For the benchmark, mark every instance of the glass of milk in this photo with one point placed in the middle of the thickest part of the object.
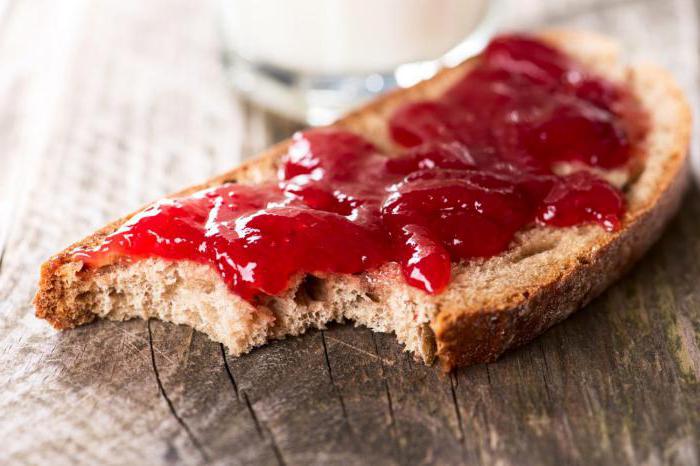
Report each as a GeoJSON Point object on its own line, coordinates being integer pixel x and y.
{"type": "Point", "coordinates": [312, 60]}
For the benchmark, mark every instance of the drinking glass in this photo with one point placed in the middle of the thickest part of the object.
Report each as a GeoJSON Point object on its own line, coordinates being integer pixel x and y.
{"type": "Point", "coordinates": [312, 60]}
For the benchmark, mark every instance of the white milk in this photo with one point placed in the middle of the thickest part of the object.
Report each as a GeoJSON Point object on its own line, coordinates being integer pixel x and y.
{"type": "Point", "coordinates": [332, 37]}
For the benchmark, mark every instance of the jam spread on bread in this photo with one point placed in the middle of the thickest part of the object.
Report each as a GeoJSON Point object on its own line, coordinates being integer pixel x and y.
{"type": "Point", "coordinates": [470, 169]}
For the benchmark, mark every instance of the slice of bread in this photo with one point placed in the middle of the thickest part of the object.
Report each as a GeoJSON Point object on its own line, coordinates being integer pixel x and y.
{"type": "Point", "coordinates": [490, 306]}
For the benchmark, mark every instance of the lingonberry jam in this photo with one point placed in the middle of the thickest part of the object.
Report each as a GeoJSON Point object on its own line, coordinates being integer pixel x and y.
{"type": "Point", "coordinates": [476, 168]}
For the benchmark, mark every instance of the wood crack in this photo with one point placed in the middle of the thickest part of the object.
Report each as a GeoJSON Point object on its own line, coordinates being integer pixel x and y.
{"type": "Point", "coordinates": [453, 383]}
{"type": "Point", "coordinates": [231, 378]}
{"type": "Point", "coordinates": [336, 389]}
{"type": "Point", "coordinates": [361, 351]}
{"type": "Point", "coordinates": [546, 370]}
{"type": "Point", "coordinates": [195, 441]}
{"type": "Point", "coordinates": [390, 404]}
{"type": "Point", "coordinates": [254, 416]}
{"type": "Point", "coordinates": [263, 431]}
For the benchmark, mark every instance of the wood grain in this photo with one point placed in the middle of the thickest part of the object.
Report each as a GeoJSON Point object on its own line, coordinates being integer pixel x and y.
{"type": "Point", "coordinates": [107, 104]}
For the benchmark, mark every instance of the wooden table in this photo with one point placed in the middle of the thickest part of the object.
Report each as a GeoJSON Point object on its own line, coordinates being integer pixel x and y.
{"type": "Point", "coordinates": [105, 105]}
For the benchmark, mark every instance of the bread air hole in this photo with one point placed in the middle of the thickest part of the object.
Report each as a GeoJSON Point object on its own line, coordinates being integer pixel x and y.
{"type": "Point", "coordinates": [533, 248]}
{"type": "Point", "coordinates": [309, 290]}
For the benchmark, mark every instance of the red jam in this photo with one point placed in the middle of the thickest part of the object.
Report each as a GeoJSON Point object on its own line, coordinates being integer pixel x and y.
{"type": "Point", "coordinates": [477, 168]}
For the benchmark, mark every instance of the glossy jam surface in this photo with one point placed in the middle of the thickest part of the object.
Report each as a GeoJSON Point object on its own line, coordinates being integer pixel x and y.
{"type": "Point", "coordinates": [477, 167]}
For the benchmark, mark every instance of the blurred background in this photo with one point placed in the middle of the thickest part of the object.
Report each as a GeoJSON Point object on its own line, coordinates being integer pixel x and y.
{"type": "Point", "coordinates": [107, 104]}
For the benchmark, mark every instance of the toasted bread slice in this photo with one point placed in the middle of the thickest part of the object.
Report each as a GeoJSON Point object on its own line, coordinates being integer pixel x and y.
{"type": "Point", "coordinates": [490, 306]}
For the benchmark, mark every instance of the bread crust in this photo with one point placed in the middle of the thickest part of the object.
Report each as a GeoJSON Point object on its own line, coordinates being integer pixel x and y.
{"type": "Point", "coordinates": [470, 336]}
{"type": "Point", "coordinates": [464, 335]}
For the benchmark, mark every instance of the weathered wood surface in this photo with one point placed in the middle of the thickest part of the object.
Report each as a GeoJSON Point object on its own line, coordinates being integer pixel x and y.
{"type": "Point", "coordinates": [107, 104]}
